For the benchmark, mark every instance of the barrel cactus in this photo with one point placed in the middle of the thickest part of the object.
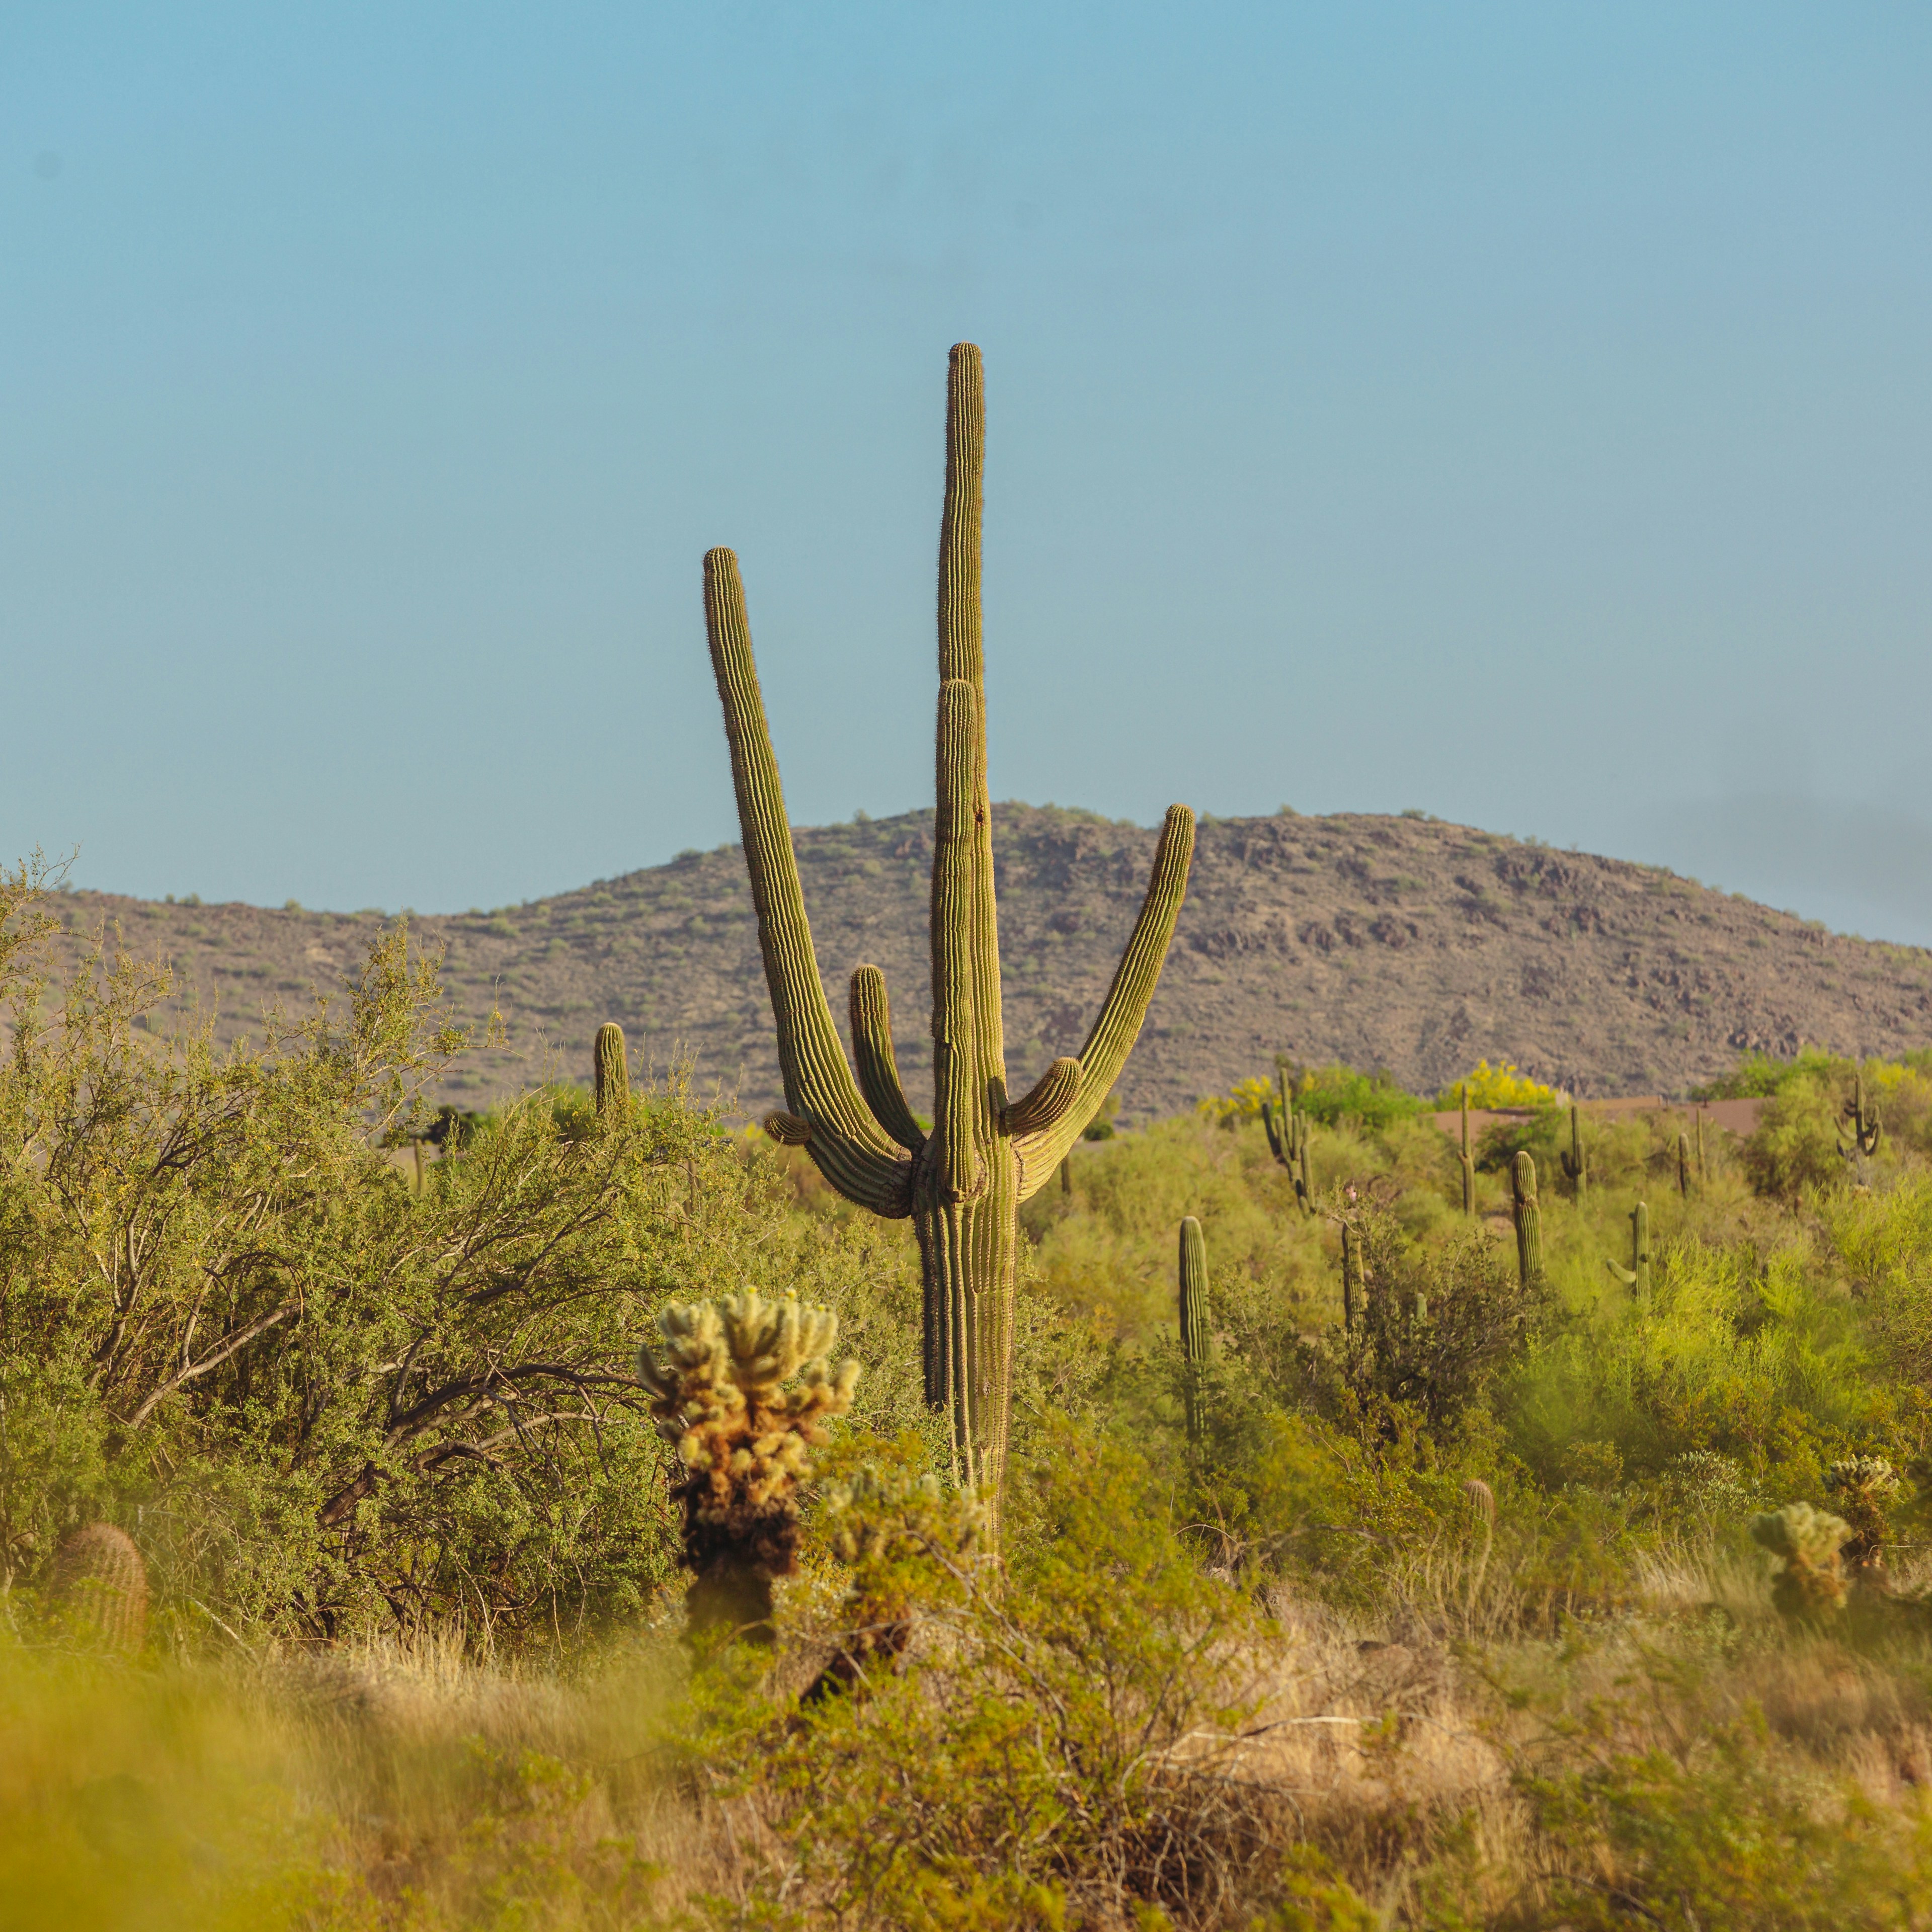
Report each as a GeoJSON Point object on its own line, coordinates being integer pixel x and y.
{"type": "Point", "coordinates": [100, 1588]}
{"type": "Point", "coordinates": [741, 1438]}
{"type": "Point", "coordinates": [989, 1148]}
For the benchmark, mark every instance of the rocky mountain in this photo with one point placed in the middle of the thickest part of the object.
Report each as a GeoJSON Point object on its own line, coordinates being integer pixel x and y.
{"type": "Point", "coordinates": [1405, 943]}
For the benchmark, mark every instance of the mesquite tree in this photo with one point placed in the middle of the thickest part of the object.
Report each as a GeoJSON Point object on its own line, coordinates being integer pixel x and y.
{"type": "Point", "coordinates": [962, 1184]}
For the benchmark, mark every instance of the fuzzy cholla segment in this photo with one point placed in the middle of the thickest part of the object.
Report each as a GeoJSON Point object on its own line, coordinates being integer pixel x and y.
{"type": "Point", "coordinates": [1811, 1579]}
{"type": "Point", "coordinates": [720, 1397]}
{"type": "Point", "coordinates": [1860, 1487]}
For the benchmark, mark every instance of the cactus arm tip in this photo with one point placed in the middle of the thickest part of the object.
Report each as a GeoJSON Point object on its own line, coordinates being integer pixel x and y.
{"type": "Point", "coordinates": [1118, 1025]}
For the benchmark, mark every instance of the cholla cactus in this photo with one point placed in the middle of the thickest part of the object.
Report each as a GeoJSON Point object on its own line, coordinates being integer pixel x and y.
{"type": "Point", "coordinates": [1862, 1485]}
{"type": "Point", "coordinates": [741, 1438]}
{"type": "Point", "coordinates": [1810, 1580]}
{"type": "Point", "coordinates": [901, 1535]}
{"type": "Point", "coordinates": [100, 1586]}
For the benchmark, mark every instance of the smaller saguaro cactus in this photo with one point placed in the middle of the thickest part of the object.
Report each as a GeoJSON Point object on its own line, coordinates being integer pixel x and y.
{"type": "Point", "coordinates": [1352, 1278]}
{"type": "Point", "coordinates": [1468, 1164]}
{"type": "Point", "coordinates": [1636, 1276]}
{"type": "Point", "coordinates": [1194, 1321]}
{"type": "Point", "coordinates": [1574, 1165]}
{"type": "Point", "coordinates": [100, 1588]}
{"type": "Point", "coordinates": [1864, 1126]}
{"type": "Point", "coordinates": [741, 1438]}
{"type": "Point", "coordinates": [1288, 1134]}
{"type": "Point", "coordinates": [1699, 1118]}
{"type": "Point", "coordinates": [1860, 1487]}
{"type": "Point", "coordinates": [1529, 1219]}
{"type": "Point", "coordinates": [1810, 1578]}
{"type": "Point", "coordinates": [612, 1071]}
{"type": "Point", "coordinates": [1683, 1164]}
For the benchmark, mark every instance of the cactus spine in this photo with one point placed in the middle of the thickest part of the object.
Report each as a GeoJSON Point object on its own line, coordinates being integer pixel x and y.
{"type": "Point", "coordinates": [1636, 1276]}
{"type": "Point", "coordinates": [100, 1585]}
{"type": "Point", "coordinates": [1864, 1126]}
{"type": "Point", "coordinates": [1194, 1318]}
{"type": "Point", "coordinates": [1528, 1219]}
{"type": "Point", "coordinates": [612, 1071]}
{"type": "Point", "coordinates": [1468, 1165]}
{"type": "Point", "coordinates": [962, 1184]}
{"type": "Point", "coordinates": [1288, 1135]}
{"type": "Point", "coordinates": [1574, 1165]}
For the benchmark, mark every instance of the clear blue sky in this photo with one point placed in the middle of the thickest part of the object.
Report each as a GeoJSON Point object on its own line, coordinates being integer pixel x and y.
{"type": "Point", "coordinates": [1520, 413]}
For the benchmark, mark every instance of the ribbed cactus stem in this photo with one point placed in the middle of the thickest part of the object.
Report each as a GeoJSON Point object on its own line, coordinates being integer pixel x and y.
{"type": "Point", "coordinates": [100, 1587]}
{"type": "Point", "coordinates": [1636, 1276]}
{"type": "Point", "coordinates": [962, 1184]}
{"type": "Point", "coordinates": [1468, 1163]}
{"type": "Point", "coordinates": [1864, 1126]}
{"type": "Point", "coordinates": [1352, 1272]}
{"type": "Point", "coordinates": [1194, 1321]}
{"type": "Point", "coordinates": [612, 1071]}
{"type": "Point", "coordinates": [1574, 1165]}
{"type": "Point", "coordinates": [1528, 1219]}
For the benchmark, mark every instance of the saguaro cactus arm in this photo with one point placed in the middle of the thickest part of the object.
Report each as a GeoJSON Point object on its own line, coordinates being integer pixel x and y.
{"type": "Point", "coordinates": [1051, 1094]}
{"type": "Point", "coordinates": [852, 1151]}
{"type": "Point", "coordinates": [1125, 1007]}
{"type": "Point", "coordinates": [878, 1068]}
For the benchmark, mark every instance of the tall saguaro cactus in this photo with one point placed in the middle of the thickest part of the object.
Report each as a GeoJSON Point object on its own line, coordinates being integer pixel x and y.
{"type": "Point", "coordinates": [1529, 1219]}
{"type": "Point", "coordinates": [1468, 1162]}
{"type": "Point", "coordinates": [1288, 1135]}
{"type": "Point", "coordinates": [1863, 1125]}
{"type": "Point", "coordinates": [1194, 1319]}
{"type": "Point", "coordinates": [1636, 1276]}
{"type": "Point", "coordinates": [962, 1184]}
{"type": "Point", "coordinates": [1574, 1165]}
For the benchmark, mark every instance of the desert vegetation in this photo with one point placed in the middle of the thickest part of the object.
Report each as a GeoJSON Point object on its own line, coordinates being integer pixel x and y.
{"type": "Point", "coordinates": [347, 1551]}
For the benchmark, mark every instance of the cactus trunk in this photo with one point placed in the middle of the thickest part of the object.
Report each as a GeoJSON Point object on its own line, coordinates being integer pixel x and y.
{"type": "Point", "coordinates": [1636, 1276]}
{"type": "Point", "coordinates": [1528, 1219]}
{"type": "Point", "coordinates": [1194, 1320]}
{"type": "Point", "coordinates": [1468, 1164]}
{"type": "Point", "coordinates": [1683, 1164]}
{"type": "Point", "coordinates": [1573, 1163]}
{"type": "Point", "coordinates": [962, 1184]}
{"type": "Point", "coordinates": [611, 1072]}
{"type": "Point", "coordinates": [1350, 1270]}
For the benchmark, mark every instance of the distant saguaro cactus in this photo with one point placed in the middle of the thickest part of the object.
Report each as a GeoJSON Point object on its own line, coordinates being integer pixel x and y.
{"type": "Point", "coordinates": [1194, 1320]}
{"type": "Point", "coordinates": [1683, 1164]}
{"type": "Point", "coordinates": [1288, 1134]}
{"type": "Point", "coordinates": [741, 1437]}
{"type": "Point", "coordinates": [1529, 1219]}
{"type": "Point", "coordinates": [1468, 1164]}
{"type": "Point", "coordinates": [612, 1071]}
{"type": "Point", "coordinates": [100, 1587]}
{"type": "Point", "coordinates": [962, 1184]}
{"type": "Point", "coordinates": [1864, 1127]}
{"type": "Point", "coordinates": [1699, 1118]}
{"type": "Point", "coordinates": [1574, 1165]}
{"type": "Point", "coordinates": [1636, 1276]}
{"type": "Point", "coordinates": [1351, 1273]}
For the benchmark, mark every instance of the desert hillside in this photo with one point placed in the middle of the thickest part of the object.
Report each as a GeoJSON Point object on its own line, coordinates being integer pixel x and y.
{"type": "Point", "coordinates": [1400, 943]}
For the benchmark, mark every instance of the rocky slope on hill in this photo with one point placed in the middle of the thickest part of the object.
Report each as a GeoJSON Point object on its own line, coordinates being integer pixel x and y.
{"type": "Point", "coordinates": [1405, 943]}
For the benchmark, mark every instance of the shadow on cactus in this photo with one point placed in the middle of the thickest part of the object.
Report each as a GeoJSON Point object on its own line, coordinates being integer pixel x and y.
{"type": "Point", "coordinates": [741, 1438]}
